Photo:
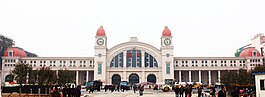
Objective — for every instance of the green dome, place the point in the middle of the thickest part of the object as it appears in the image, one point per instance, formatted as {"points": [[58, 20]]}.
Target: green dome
{"points": [[238, 52]]}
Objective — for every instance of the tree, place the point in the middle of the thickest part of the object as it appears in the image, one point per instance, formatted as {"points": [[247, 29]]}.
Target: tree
{"points": [[242, 77], [258, 69], [21, 72], [46, 76], [65, 76], [33, 77], [228, 78]]}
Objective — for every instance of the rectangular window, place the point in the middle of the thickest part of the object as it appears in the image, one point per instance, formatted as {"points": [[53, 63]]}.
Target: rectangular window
{"points": [[99, 68], [262, 87], [167, 68]]}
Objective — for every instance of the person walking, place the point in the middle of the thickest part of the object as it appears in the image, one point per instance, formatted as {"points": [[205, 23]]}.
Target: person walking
{"points": [[91, 90], [222, 92], [64, 91], [186, 90], [177, 91], [55, 92], [190, 91], [78, 91], [200, 91], [134, 88], [141, 90], [181, 90]]}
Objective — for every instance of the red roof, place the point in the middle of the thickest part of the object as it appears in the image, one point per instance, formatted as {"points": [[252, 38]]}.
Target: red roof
{"points": [[17, 52], [250, 52], [166, 32], [101, 31]]}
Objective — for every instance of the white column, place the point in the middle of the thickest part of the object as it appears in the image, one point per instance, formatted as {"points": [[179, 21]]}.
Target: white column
{"points": [[87, 73], [143, 77], [57, 72], [124, 59], [143, 72], [124, 77], [77, 78], [189, 76], [179, 75], [219, 76], [142, 53], [200, 76], [210, 81]]}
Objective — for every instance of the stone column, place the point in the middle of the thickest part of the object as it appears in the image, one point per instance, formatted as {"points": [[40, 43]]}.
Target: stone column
{"points": [[219, 76], [142, 67], [87, 73], [76, 79], [124, 75], [57, 72], [189, 76], [124, 78], [209, 74], [142, 54], [200, 76], [143, 77], [124, 59], [179, 75]]}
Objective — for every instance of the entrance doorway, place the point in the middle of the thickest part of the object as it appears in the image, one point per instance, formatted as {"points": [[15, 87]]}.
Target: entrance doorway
{"points": [[133, 78], [116, 79], [151, 78]]}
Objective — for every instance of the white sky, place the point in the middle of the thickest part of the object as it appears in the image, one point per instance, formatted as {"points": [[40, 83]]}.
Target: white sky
{"points": [[67, 28]]}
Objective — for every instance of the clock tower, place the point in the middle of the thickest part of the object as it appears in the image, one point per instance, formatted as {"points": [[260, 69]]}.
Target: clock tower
{"points": [[167, 55], [100, 55]]}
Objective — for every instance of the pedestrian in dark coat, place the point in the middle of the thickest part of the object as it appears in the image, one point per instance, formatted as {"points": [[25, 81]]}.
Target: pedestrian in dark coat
{"points": [[55, 92], [177, 91], [134, 88], [141, 90], [64, 91], [200, 91], [222, 92], [78, 91]]}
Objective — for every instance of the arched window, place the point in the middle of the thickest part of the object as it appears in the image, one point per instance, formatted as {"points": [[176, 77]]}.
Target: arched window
{"points": [[117, 61], [10, 53], [150, 61], [134, 59], [9, 78], [254, 53]]}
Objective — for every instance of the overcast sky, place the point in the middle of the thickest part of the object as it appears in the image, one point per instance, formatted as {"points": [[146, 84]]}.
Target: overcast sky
{"points": [[67, 28]]}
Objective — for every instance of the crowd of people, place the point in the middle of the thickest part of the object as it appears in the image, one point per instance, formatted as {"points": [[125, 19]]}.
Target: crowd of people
{"points": [[186, 91], [66, 92], [180, 91]]}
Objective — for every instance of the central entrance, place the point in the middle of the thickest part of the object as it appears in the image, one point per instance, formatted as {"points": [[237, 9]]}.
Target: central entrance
{"points": [[133, 78]]}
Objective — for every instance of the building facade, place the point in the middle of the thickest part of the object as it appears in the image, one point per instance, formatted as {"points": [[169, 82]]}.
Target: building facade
{"points": [[135, 61]]}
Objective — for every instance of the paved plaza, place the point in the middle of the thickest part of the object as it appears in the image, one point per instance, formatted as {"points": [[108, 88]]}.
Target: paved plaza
{"points": [[130, 93]]}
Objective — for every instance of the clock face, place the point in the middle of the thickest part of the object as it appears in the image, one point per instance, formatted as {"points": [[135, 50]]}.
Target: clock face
{"points": [[167, 55], [99, 55], [167, 41], [100, 41]]}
